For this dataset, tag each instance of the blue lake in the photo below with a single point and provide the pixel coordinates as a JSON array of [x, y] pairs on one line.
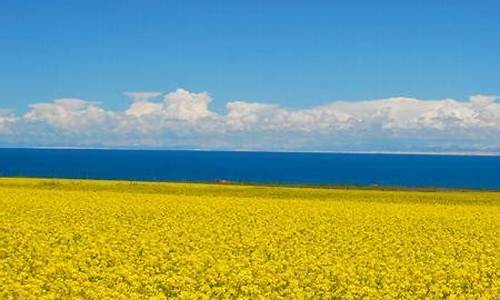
[[260, 167]]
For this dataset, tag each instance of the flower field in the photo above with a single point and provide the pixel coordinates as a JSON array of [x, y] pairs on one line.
[[121, 240]]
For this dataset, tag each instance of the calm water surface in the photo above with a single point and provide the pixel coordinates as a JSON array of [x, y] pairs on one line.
[[260, 167]]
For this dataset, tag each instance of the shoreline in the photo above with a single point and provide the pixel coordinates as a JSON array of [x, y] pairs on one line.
[[222, 182]]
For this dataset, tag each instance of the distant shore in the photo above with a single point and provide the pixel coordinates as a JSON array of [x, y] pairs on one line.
[[376, 152]]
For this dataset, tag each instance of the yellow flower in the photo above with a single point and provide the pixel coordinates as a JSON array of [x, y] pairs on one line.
[[115, 240]]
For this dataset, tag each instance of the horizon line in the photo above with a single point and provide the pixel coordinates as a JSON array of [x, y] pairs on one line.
[[374, 152]]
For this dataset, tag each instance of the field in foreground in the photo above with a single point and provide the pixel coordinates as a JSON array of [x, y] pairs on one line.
[[97, 240]]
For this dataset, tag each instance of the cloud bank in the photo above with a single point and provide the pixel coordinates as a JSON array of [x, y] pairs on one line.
[[183, 119]]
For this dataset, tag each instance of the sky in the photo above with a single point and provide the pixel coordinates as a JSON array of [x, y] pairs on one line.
[[256, 75]]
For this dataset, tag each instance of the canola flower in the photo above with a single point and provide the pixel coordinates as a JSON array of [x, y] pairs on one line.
[[69, 239]]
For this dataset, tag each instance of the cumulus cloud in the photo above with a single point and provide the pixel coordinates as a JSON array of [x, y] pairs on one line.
[[69, 115], [178, 105], [184, 119]]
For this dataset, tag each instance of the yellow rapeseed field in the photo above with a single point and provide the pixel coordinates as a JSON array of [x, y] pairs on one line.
[[121, 240]]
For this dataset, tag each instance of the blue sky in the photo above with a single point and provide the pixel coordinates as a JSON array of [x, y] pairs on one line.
[[295, 54]]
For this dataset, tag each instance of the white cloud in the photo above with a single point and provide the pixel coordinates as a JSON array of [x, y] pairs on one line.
[[7, 120], [258, 116], [246, 115], [142, 105], [144, 108], [178, 105], [183, 105], [69, 115], [184, 119]]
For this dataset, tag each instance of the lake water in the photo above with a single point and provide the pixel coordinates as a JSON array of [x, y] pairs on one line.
[[259, 167]]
